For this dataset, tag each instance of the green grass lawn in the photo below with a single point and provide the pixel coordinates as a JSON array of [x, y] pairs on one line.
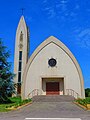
[[84, 102], [16, 102]]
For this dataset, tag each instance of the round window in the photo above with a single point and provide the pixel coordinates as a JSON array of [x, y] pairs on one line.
[[52, 62]]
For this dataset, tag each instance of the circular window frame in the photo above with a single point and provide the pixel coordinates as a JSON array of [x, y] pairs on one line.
[[52, 62]]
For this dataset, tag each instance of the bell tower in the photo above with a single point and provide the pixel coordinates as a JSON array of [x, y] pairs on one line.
[[21, 52]]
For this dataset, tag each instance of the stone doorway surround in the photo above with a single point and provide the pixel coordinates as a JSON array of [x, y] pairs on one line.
[[52, 80]]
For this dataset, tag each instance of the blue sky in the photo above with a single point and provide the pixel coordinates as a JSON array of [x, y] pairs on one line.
[[68, 20]]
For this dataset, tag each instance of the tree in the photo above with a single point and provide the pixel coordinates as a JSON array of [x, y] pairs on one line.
[[6, 76], [87, 92]]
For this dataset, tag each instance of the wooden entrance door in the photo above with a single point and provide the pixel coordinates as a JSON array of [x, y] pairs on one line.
[[52, 88]]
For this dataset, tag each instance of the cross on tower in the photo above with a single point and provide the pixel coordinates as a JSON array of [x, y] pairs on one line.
[[22, 10]]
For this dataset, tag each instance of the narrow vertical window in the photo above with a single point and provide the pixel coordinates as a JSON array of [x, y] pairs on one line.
[[20, 66], [19, 77], [20, 55], [19, 72]]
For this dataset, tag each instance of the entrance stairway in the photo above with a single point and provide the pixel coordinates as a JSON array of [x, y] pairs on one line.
[[53, 98]]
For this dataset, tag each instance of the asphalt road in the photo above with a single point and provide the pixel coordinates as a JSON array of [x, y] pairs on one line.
[[48, 110]]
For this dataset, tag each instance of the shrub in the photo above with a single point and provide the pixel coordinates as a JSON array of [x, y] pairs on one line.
[[84, 102], [87, 92]]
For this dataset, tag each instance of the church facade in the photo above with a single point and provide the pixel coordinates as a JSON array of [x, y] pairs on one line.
[[51, 70]]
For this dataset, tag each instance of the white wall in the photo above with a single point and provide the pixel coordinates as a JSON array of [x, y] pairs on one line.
[[39, 68]]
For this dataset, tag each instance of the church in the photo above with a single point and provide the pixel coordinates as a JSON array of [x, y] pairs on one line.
[[52, 69]]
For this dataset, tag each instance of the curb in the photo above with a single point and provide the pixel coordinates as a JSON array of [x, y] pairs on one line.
[[83, 107], [19, 107]]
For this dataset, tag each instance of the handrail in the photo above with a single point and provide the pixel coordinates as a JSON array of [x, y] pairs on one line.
[[35, 92], [72, 93]]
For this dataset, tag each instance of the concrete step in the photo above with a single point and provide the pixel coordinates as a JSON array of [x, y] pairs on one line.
[[53, 98]]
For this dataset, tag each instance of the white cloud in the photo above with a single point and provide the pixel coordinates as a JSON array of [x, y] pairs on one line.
[[54, 8], [83, 38], [60, 9]]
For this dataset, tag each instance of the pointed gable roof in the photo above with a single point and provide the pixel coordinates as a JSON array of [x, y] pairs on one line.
[[57, 42]]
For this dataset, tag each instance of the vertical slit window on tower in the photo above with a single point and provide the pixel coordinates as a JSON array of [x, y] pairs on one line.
[[19, 77], [20, 55], [20, 66]]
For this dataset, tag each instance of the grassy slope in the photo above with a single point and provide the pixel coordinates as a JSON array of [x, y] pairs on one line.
[[16, 101], [84, 102]]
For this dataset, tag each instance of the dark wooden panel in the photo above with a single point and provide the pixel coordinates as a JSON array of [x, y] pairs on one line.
[[52, 88]]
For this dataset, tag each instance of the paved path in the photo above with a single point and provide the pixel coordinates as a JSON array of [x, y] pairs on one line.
[[47, 110]]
